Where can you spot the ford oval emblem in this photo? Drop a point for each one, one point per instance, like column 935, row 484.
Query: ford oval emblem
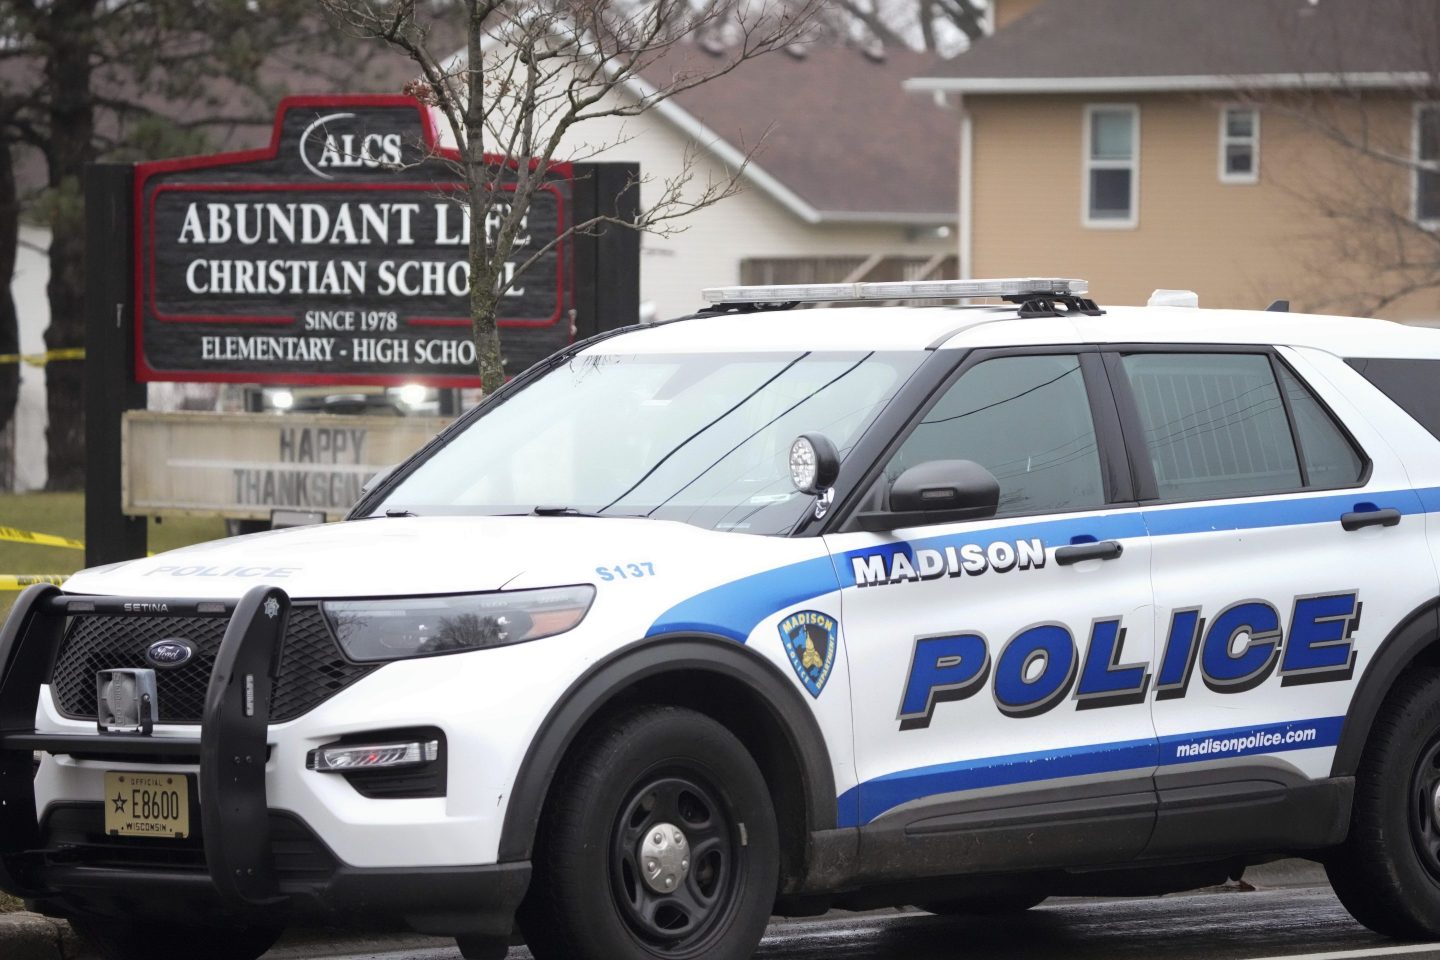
column 170, row 652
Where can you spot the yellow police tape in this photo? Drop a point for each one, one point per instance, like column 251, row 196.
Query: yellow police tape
column 39, row 539
column 21, row 581
column 40, row 359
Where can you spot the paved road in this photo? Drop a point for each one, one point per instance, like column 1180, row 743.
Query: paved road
column 1295, row 921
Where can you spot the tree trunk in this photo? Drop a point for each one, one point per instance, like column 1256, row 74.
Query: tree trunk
column 484, row 304
column 9, row 322
column 72, row 123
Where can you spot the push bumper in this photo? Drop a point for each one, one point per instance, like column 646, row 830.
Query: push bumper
column 243, row 859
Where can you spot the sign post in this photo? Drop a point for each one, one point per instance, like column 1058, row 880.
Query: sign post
column 110, row 384
column 336, row 255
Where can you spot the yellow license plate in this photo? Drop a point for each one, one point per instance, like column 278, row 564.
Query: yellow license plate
column 147, row 804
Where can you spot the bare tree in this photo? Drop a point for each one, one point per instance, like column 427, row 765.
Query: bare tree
column 1359, row 145
column 939, row 26
column 529, row 75
column 82, row 80
column 1369, row 200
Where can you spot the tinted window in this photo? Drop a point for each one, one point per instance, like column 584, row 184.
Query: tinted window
column 1329, row 457
column 1410, row 383
column 1026, row 420
column 1214, row 424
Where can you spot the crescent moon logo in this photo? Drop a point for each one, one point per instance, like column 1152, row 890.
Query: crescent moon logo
column 305, row 141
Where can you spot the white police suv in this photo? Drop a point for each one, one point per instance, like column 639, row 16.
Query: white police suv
column 773, row 610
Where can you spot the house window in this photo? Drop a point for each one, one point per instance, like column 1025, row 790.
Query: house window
column 1427, row 165
column 1112, row 165
column 1239, row 145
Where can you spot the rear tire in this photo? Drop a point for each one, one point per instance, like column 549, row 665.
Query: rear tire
column 1387, row 873
column 657, row 843
column 992, row 905
column 148, row 940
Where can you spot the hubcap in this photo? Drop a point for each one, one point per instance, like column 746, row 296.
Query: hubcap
column 1425, row 809
column 664, row 857
column 675, row 864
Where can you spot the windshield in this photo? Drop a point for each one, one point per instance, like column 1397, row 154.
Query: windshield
column 700, row 438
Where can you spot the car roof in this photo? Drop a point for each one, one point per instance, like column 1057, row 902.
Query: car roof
column 903, row 328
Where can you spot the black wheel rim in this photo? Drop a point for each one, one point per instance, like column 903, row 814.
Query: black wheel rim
column 1424, row 817
column 679, row 922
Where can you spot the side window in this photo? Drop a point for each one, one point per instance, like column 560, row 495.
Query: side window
column 1215, row 424
column 1112, row 165
column 1026, row 420
column 1239, row 145
column 1427, row 165
column 1409, row 383
column 1330, row 459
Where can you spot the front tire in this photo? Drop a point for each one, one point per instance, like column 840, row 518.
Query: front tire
column 658, row 843
column 1387, row 873
column 146, row 940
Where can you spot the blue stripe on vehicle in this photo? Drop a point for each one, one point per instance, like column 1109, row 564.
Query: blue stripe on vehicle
column 867, row 801
column 1052, row 533
column 734, row 609
column 890, row 791
column 1429, row 499
column 1292, row 511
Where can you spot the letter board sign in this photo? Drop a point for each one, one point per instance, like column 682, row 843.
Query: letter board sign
column 336, row 255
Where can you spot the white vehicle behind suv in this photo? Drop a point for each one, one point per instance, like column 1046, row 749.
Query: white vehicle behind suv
column 769, row 609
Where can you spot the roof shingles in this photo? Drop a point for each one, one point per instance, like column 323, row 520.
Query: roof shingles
column 835, row 127
column 1082, row 40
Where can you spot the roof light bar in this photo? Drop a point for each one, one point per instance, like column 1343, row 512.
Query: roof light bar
column 909, row 290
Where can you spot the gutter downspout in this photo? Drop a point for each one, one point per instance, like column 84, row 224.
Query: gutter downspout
column 967, row 192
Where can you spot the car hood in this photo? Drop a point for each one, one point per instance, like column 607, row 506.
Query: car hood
column 405, row 555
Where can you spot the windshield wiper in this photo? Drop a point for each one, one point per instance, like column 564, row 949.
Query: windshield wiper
column 400, row 512
column 543, row 510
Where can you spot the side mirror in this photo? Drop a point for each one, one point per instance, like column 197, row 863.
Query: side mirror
column 940, row 491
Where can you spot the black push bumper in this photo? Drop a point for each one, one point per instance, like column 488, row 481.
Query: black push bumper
column 234, row 867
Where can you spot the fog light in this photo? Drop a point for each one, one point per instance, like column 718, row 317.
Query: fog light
column 378, row 756
column 125, row 701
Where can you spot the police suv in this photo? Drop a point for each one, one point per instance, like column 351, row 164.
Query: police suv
column 777, row 610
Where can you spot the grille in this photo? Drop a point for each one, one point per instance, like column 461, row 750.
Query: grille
column 312, row 668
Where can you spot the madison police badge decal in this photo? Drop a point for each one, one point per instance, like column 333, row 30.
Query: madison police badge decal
column 810, row 638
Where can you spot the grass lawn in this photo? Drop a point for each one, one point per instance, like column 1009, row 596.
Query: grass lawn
column 63, row 514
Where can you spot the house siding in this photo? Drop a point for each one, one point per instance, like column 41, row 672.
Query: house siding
column 1237, row 245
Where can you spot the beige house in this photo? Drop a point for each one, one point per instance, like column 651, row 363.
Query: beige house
column 1250, row 150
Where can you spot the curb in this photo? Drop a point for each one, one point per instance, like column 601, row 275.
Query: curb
column 29, row 936
column 32, row 936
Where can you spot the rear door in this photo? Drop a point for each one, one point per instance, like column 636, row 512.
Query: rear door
column 999, row 667
column 1286, row 543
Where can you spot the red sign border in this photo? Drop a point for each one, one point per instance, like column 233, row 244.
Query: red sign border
column 143, row 254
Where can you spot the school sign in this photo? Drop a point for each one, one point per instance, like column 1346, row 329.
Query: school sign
column 338, row 254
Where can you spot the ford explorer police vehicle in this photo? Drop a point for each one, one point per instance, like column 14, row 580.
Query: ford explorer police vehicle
column 777, row 610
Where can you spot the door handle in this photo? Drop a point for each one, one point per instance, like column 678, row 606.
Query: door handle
column 1076, row 552
column 1356, row 519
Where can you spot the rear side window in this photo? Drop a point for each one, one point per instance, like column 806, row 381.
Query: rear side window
column 1215, row 424
column 1410, row 383
column 1330, row 459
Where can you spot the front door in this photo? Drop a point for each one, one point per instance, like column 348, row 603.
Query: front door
column 1000, row 668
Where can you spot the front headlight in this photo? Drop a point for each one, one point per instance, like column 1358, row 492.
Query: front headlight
column 394, row 629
